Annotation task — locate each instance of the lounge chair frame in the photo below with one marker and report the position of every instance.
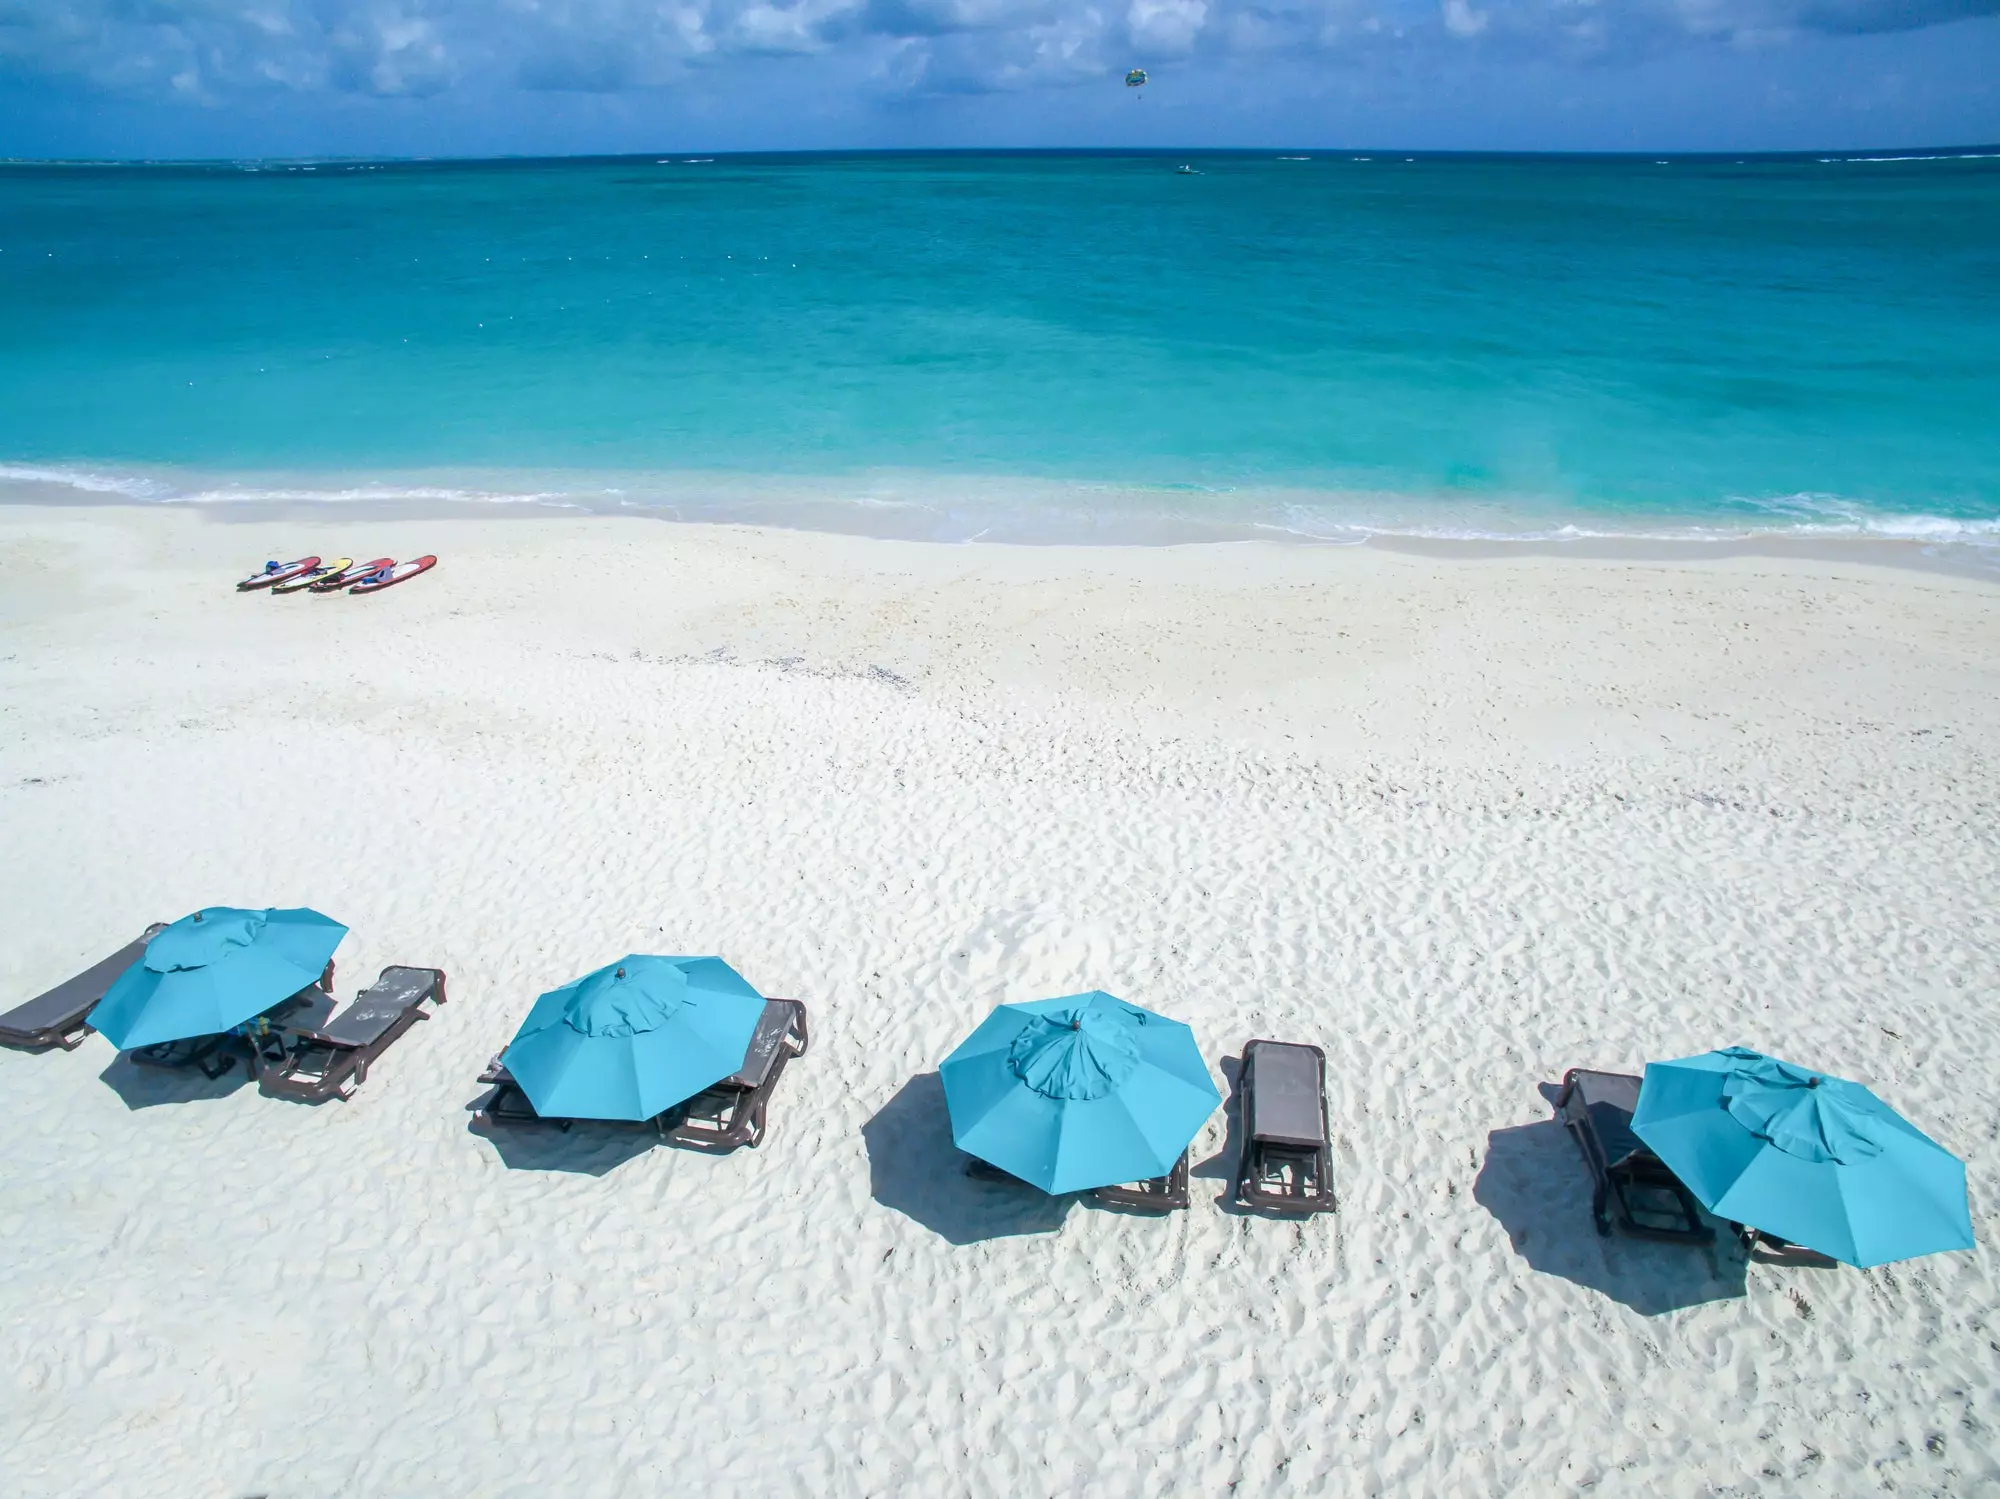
(211, 1056)
(59, 1017)
(1159, 1194)
(717, 1120)
(731, 1113)
(313, 1065)
(1287, 1170)
(1769, 1249)
(202, 1052)
(507, 1104)
(1623, 1171)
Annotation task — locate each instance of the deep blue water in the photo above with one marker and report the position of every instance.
(1029, 343)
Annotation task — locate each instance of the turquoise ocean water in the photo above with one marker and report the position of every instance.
(1031, 347)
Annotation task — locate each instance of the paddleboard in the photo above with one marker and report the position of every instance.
(277, 572)
(353, 572)
(313, 578)
(388, 577)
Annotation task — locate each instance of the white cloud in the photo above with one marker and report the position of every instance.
(1165, 28)
(1461, 20)
(215, 49)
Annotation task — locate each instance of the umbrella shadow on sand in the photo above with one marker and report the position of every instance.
(915, 1169)
(1534, 1182)
(586, 1148)
(149, 1087)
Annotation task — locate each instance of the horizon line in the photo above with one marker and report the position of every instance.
(658, 155)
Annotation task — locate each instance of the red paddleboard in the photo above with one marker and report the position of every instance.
(388, 577)
(277, 572)
(333, 582)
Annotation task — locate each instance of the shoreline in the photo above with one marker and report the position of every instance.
(1961, 559)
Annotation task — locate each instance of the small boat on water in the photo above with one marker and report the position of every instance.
(1185, 170)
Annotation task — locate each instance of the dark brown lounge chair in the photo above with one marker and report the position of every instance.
(215, 1055)
(324, 1059)
(1769, 1249)
(732, 1112)
(60, 1017)
(1160, 1194)
(1286, 1163)
(1650, 1201)
(212, 1055)
(507, 1104)
(717, 1120)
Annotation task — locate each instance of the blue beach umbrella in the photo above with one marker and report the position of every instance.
(634, 1038)
(1077, 1092)
(1813, 1159)
(213, 970)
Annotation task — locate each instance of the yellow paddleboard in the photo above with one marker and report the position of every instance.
(306, 580)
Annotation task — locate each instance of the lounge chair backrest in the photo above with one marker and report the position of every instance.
(1286, 1108)
(75, 995)
(772, 1026)
(380, 1006)
(1611, 1098)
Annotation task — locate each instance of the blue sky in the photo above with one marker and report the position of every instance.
(136, 78)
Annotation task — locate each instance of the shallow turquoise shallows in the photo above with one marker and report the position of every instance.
(634, 1038)
(1032, 346)
(1814, 1159)
(1078, 1092)
(213, 970)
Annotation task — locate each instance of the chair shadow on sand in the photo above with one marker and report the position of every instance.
(149, 1087)
(1222, 1166)
(584, 1149)
(914, 1169)
(1534, 1182)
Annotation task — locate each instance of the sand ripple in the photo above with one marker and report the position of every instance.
(209, 1292)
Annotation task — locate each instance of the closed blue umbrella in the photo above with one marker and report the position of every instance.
(634, 1038)
(1814, 1159)
(214, 970)
(1078, 1092)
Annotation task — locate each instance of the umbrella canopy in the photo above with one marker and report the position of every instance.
(1078, 1092)
(1811, 1158)
(213, 970)
(634, 1038)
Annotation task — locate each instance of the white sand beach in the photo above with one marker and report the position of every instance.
(1463, 822)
